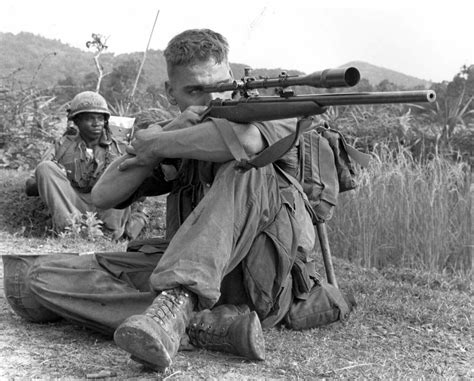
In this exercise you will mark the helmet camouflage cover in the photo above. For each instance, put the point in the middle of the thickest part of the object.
(88, 101)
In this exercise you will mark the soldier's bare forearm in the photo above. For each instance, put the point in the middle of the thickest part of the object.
(116, 186)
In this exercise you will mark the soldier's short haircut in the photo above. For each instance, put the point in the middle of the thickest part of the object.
(195, 45)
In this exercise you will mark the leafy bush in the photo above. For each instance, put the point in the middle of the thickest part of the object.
(86, 226)
(32, 122)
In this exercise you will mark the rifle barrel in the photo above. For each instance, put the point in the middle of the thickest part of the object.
(341, 99)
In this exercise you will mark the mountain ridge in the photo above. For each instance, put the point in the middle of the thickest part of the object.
(31, 59)
(376, 74)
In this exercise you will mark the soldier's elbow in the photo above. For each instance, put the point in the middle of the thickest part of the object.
(251, 140)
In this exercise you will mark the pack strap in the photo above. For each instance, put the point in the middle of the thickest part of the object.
(269, 154)
(278, 149)
(359, 157)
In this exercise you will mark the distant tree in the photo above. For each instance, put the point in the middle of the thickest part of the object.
(119, 82)
(38, 68)
(453, 112)
(468, 73)
(89, 82)
(462, 83)
(117, 87)
(66, 89)
(98, 43)
(386, 85)
(363, 85)
(155, 94)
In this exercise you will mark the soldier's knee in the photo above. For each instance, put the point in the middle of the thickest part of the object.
(45, 168)
(19, 270)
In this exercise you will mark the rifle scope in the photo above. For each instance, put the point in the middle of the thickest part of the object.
(328, 78)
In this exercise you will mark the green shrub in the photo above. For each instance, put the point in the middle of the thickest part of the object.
(86, 226)
(32, 121)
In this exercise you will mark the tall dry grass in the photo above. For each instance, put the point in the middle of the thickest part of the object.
(406, 213)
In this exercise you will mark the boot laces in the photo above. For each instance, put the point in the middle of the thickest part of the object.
(166, 305)
(206, 334)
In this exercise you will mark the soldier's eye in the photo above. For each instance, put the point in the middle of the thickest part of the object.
(195, 92)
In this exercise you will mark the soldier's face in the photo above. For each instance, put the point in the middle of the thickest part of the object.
(90, 125)
(184, 87)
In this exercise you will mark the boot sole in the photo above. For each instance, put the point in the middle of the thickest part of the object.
(256, 339)
(143, 343)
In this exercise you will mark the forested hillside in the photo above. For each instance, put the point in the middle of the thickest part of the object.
(29, 59)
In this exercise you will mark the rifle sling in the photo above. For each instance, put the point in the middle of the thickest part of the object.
(276, 150)
(230, 138)
(268, 155)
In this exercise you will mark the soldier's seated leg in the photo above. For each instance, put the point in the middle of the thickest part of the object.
(98, 291)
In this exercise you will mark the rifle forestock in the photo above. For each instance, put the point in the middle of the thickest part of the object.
(255, 109)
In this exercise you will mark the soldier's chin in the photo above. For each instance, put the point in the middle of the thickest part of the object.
(94, 135)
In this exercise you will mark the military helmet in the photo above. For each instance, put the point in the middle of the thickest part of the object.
(88, 101)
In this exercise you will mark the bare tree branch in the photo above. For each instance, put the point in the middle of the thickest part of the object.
(99, 44)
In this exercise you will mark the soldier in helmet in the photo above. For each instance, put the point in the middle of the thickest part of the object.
(70, 168)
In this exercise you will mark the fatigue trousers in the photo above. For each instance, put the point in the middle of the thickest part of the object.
(237, 246)
(63, 201)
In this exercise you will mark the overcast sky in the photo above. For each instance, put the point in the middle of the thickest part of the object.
(427, 39)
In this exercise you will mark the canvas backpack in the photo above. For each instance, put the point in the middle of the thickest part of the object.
(325, 163)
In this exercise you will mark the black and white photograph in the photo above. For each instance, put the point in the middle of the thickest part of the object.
(248, 190)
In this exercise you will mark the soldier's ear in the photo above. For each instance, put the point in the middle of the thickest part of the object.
(169, 93)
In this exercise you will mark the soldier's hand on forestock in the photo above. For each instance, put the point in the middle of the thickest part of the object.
(141, 149)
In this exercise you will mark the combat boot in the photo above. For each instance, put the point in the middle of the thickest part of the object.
(230, 329)
(153, 337)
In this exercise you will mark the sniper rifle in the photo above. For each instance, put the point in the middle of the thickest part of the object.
(248, 106)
